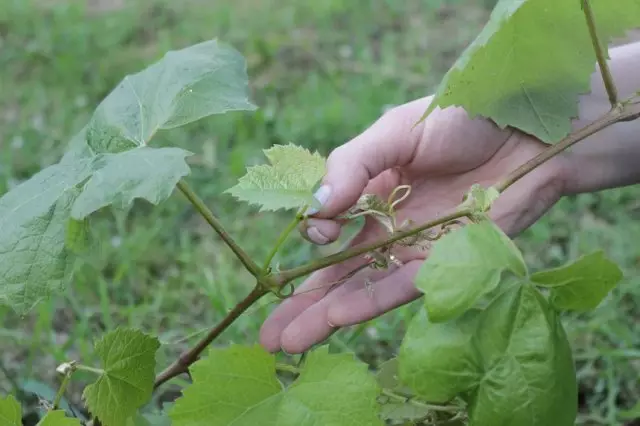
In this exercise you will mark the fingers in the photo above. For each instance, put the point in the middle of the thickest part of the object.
(307, 295)
(395, 289)
(351, 303)
(390, 142)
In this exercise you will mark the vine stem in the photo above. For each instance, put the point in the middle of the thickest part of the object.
(204, 211)
(282, 238)
(625, 111)
(181, 365)
(291, 274)
(600, 54)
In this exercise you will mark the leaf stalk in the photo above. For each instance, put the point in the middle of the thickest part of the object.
(601, 55)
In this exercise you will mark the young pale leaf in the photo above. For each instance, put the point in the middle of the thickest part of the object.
(58, 418)
(285, 184)
(511, 361)
(128, 362)
(581, 285)
(10, 412)
(530, 63)
(464, 266)
(149, 173)
(34, 261)
(184, 86)
(238, 386)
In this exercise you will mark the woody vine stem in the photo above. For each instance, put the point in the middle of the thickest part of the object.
(267, 282)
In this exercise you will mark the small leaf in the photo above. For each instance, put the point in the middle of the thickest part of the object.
(530, 63)
(511, 361)
(387, 376)
(581, 285)
(184, 86)
(128, 361)
(57, 418)
(402, 411)
(34, 261)
(10, 412)
(285, 184)
(118, 179)
(331, 390)
(465, 265)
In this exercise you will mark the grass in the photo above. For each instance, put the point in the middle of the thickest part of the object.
(321, 72)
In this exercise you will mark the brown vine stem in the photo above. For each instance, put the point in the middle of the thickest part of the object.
(626, 111)
(181, 365)
(291, 274)
(204, 211)
(600, 54)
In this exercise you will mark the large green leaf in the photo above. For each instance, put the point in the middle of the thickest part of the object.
(511, 361)
(108, 163)
(128, 363)
(33, 225)
(285, 184)
(238, 386)
(530, 63)
(10, 412)
(58, 418)
(184, 86)
(118, 179)
(464, 266)
(581, 285)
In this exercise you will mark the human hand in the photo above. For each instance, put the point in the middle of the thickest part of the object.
(440, 158)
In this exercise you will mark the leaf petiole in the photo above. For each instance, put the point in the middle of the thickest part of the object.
(282, 238)
(93, 370)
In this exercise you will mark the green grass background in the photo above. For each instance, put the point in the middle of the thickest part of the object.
(321, 72)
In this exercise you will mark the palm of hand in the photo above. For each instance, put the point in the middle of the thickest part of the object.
(450, 154)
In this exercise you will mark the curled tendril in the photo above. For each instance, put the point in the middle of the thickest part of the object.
(393, 203)
(280, 292)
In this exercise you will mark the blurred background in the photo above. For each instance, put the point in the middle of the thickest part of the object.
(321, 72)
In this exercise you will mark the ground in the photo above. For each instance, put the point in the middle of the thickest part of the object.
(320, 72)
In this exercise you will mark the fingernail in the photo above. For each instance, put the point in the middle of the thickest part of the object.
(322, 196)
(316, 237)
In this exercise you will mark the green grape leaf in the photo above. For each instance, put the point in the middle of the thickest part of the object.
(437, 360)
(331, 390)
(10, 411)
(118, 179)
(465, 265)
(581, 285)
(510, 361)
(285, 184)
(58, 418)
(128, 362)
(108, 163)
(184, 86)
(34, 261)
(530, 63)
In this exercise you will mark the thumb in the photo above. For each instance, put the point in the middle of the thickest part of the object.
(390, 142)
